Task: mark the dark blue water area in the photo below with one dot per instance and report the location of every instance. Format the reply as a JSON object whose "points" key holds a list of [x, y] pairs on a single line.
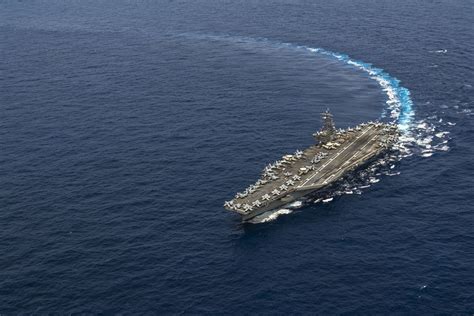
{"points": [[125, 125]]}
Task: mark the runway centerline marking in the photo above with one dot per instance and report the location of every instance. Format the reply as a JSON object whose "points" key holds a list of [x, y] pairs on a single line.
{"points": [[334, 157]]}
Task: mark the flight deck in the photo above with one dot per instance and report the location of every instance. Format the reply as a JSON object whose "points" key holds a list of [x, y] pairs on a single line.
{"points": [[336, 153]]}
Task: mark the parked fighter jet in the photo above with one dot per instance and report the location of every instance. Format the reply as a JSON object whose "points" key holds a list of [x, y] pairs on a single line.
{"points": [[247, 207]]}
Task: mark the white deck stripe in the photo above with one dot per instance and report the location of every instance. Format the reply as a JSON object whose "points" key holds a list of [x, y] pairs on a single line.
{"points": [[332, 159]]}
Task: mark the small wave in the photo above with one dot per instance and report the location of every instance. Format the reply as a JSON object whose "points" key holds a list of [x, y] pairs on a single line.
{"points": [[269, 216], [442, 148], [441, 134], [442, 51], [374, 180], [439, 51], [295, 204]]}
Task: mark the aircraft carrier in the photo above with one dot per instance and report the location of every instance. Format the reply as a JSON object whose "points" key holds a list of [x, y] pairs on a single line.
{"points": [[335, 154]]}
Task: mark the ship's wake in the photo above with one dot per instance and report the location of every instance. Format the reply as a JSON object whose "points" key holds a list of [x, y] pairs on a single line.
{"points": [[419, 137], [270, 216]]}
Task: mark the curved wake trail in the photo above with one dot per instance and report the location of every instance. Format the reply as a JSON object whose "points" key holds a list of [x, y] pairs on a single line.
{"points": [[398, 102], [398, 98], [417, 137]]}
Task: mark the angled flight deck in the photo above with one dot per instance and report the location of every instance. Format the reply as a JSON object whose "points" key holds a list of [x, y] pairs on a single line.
{"points": [[335, 154]]}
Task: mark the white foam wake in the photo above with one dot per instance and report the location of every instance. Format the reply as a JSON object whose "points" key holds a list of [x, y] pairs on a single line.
{"points": [[270, 216]]}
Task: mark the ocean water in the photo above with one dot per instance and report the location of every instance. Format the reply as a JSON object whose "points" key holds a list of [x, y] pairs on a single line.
{"points": [[125, 125]]}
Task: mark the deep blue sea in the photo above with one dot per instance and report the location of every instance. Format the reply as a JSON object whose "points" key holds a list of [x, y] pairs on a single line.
{"points": [[125, 125]]}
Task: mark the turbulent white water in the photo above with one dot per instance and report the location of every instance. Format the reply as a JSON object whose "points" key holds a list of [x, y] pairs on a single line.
{"points": [[270, 216]]}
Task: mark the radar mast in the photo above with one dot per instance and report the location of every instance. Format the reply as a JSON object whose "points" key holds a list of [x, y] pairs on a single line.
{"points": [[328, 130]]}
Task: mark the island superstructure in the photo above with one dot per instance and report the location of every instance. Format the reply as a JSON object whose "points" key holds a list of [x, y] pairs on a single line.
{"points": [[335, 154]]}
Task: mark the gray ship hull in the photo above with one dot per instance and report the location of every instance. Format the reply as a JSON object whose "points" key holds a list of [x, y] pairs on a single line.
{"points": [[277, 204]]}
